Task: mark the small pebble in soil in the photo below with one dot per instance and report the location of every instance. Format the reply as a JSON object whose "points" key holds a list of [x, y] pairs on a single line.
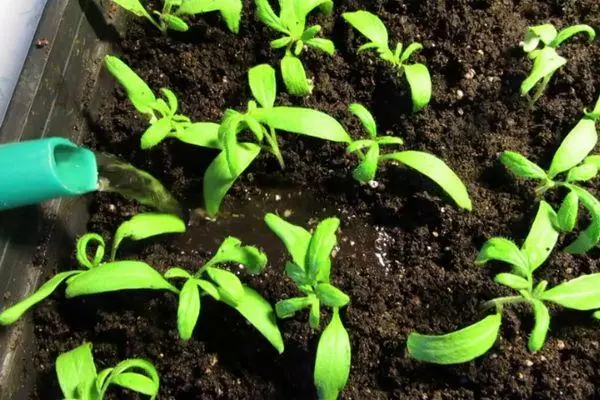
{"points": [[287, 213], [529, 363], [460, 111], [112, 208], [460, 94], [277, 197], [435, 234], [470, 74], [560, 344], [373, 184]]}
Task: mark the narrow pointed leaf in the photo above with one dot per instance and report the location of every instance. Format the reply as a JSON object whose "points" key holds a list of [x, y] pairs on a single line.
{"points": [[263, 84], [136, 382], [289, 307], [456, 347], [12, 314], [365, 117], [143, 226], [370, 25], [583, 172], [133, 364], [294, 76], [567, 214], [435, 169], [188, 309], [581, 293], [218, 178], [138, 92], [575, 148], [268, 17], [156, 133], [419, 81], [512, 281], [295, 238], [410, 50], [259, 313], [367, 169], [331, 296], [573, 30], [332, 365], [542, 237], [521, 166], [501, 249], [203, 134], [324, 45], [175, 23], [540, 329], [318, 259], [116, 276], [229, 284], [359, 145], [231, 250], [76, 373], [590, 237]]}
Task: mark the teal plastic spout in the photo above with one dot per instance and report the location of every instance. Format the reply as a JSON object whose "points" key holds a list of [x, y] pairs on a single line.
{"points": [[38, 170]]}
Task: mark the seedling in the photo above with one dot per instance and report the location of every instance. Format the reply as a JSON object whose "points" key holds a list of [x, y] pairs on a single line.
{"points": [[417, 75], [139, 227], [582, 293], [262, 120], [291, 22], [425, 163], [79, 379], [571, 159], [546, 60], [209, 280], [174, 11], [310, 270], [162, 115]]}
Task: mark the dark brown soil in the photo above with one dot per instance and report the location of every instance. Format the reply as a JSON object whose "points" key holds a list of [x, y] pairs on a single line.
{"points": [[406, 253]]}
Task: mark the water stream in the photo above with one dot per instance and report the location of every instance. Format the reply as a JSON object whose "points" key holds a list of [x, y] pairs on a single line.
{"points": [[116, 175]]}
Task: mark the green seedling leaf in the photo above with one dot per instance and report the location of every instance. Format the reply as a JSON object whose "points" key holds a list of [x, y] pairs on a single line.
{"points": [[594, 160], [540, 329], [546, 63], [575, 148], [231, 250], [512, 281], [331, 296], [12, 314], [268, 17], [435, 169], [133, 6], [310, 32], [572, 31], [314, 317], [567, 214], [501, 249], [365, 117], [542, 237], [590, 237], [581, 293], [305, 7], [419, 81], [259, 313], [263, 84], [177, 272], [410, 50], [171, 99], [539, 289], [359, 145], [318, 258], [332, 365], [596, 315], [367, 169], [304, 121], [138, 92], [297, 274], [218, 178], [143, 226], [369, 25], [456, 347], [203, 134], [385, 140], [175, 23], [156, 133], [188, 309], [295, 238], [281, 42], [136, 382], [82, 247], [289, 307], [77, 373], [151, 388], [521, 166], [231, 10], [294, 76], [324, 45], [583, 172], [546, 33], [116, 276], [209, 288], [230, 286]]}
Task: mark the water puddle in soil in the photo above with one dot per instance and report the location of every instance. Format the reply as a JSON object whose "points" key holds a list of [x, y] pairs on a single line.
{"points": [[116, 175], [358, 239]]}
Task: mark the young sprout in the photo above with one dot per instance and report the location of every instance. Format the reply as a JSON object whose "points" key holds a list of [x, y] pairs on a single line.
{"points": [[139, 227], [162, 115], [262, 119], [546, 61], [209, 280], [173, 11], [291, 22], [425, 163], [310, 270], [573, 160], [417, 75], [582, 293], [79, 379]]}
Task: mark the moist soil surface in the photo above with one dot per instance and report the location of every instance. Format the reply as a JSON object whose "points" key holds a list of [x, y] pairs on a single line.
{"points": [[405, 252]]}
